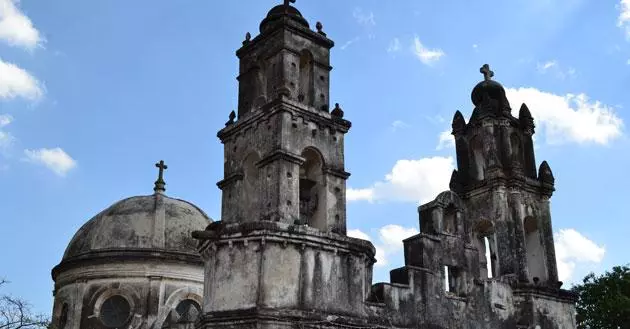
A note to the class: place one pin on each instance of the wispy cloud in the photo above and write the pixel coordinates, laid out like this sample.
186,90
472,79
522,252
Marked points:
394,46
553,67
18,83
364,18
6,139
543,67
426,55
54,159
624,17
349,43
399,124
16,28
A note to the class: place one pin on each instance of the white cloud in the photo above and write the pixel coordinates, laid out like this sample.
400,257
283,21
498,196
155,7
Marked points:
365,19
391,236
409,181
446,140
425,55
394,46
358,234
390,241
54,159
574,249
5,119
624,17
568,118
366,194
16,82
15,28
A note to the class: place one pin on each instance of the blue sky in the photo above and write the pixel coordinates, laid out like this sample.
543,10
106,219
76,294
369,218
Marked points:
93,93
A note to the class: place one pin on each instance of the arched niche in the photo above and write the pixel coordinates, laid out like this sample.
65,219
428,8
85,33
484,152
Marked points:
183,315
535,252
516,149
449,220
485,240
251,186
306,89
462,152
478,161
61,316
260,86
311,189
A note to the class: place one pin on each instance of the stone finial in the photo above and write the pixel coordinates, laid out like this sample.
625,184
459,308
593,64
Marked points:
248,38
337,112
455,185
525,117
544,173
487,73
159,183
232,117
320,28
459,123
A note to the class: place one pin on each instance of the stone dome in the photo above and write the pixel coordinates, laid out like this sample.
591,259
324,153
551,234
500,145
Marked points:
281,11
493,89
153,223
490,88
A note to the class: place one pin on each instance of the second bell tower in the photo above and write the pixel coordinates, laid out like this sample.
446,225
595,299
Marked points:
284,158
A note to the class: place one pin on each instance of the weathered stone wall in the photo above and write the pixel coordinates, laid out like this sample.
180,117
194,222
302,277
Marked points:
279,136
268,265
152,289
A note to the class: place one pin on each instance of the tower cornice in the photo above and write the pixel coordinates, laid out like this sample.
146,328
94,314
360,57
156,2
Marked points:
284,104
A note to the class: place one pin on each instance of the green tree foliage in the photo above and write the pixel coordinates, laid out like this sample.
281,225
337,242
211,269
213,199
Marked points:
604,301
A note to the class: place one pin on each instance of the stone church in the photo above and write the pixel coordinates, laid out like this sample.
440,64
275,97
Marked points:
280,257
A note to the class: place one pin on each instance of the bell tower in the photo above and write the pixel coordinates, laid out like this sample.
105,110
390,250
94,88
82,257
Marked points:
507,200
280,254
284,158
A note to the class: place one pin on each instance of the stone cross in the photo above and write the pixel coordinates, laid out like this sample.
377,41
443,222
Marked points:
159,183
487,73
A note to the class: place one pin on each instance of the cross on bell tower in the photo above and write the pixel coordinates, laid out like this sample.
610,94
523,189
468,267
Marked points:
287,4
496,161
487,73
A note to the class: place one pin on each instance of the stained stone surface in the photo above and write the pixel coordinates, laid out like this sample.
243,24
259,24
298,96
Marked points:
280,257
138,253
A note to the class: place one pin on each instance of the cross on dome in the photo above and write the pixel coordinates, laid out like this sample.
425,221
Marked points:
159,183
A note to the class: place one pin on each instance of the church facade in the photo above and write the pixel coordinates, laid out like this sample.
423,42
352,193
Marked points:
280,256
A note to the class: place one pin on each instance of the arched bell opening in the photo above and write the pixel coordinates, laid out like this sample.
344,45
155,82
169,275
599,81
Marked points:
312,193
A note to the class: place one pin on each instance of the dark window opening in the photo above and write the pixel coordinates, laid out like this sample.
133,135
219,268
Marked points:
115,312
